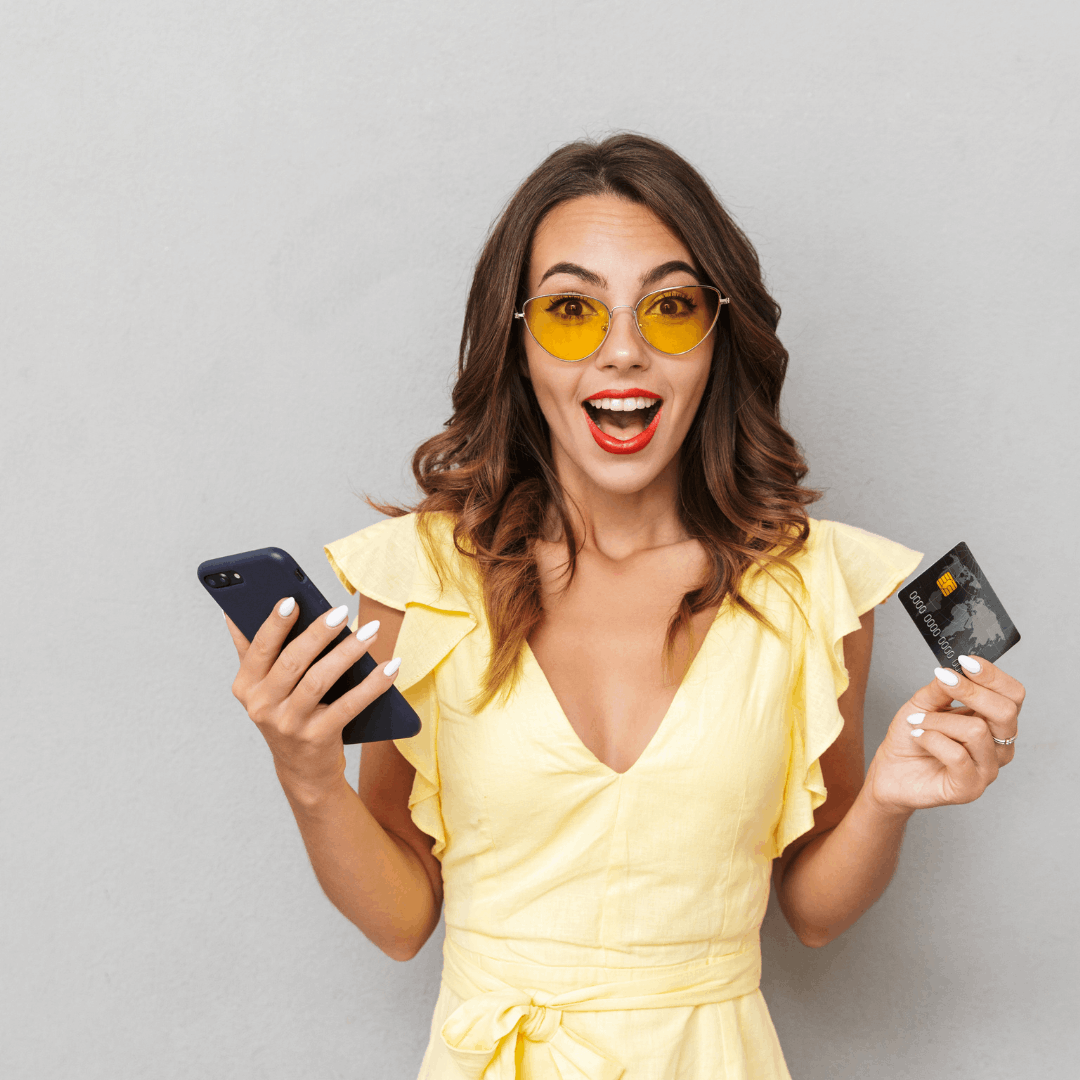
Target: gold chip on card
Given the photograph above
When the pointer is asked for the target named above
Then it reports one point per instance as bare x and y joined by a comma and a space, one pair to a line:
946, 583
957, 611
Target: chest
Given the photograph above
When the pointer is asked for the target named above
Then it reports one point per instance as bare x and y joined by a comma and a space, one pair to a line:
601, 644
579, 836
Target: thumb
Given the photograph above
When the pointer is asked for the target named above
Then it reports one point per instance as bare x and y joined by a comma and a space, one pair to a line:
935, 696
238, 639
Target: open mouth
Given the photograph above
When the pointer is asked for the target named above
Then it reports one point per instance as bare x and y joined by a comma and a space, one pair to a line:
623, 425
623, 418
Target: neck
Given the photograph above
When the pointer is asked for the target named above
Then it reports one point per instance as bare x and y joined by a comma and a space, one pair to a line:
619, 525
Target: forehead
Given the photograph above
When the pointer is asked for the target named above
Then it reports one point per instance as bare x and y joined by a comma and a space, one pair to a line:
604, 233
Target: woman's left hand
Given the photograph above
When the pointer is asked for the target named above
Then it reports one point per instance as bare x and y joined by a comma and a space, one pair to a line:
954, 758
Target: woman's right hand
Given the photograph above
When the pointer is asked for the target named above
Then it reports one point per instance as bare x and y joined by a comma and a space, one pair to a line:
282, 695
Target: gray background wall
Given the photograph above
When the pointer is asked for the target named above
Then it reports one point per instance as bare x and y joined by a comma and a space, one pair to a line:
207, 212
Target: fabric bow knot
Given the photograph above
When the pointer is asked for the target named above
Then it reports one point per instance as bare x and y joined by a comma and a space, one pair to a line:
502, 1031
482, 1037
540, 1022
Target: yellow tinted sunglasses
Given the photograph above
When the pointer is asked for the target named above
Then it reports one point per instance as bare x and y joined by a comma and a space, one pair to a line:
572, 326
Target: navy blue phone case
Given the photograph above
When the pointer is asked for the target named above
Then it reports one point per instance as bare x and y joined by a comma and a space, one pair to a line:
248, 585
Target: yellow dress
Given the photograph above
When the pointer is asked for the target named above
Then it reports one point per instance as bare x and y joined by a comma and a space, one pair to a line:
603, 925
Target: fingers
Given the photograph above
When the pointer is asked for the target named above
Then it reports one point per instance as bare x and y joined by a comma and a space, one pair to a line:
937, 695
999, 711
360, 697
963, 745
289, 667
326, 671
238, 639
977, 692
987, 675
257, 659
266, 645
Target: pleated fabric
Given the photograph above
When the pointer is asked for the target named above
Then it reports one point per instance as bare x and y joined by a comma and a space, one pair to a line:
604, 925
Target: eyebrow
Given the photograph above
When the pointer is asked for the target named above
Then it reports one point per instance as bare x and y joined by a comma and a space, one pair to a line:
590, 277
660, 272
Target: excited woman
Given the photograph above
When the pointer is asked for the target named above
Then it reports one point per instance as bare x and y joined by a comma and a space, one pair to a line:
639, 664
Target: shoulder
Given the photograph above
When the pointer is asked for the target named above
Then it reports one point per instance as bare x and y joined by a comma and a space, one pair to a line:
838, 558
400, 560
382, 560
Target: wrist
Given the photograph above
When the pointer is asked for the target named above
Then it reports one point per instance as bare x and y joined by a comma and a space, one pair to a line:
881, 808
312, 792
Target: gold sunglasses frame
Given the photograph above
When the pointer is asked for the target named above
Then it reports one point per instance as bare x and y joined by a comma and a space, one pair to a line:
721, 300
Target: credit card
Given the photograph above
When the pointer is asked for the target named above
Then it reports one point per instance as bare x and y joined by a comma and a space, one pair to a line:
957, 612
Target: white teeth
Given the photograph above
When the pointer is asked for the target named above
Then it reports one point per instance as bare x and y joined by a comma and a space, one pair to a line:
623, 404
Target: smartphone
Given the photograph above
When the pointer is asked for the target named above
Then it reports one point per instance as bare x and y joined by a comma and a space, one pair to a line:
247, 586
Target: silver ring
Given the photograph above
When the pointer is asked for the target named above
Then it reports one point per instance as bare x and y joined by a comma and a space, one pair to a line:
1004, 742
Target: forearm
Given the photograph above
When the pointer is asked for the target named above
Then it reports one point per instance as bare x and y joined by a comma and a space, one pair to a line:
837, 876
374, 879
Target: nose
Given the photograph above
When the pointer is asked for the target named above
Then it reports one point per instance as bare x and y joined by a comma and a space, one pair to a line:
623, 348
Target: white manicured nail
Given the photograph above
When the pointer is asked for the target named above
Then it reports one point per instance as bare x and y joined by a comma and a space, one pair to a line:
392, 666
286, 608
949, 678
917, 731
969, 663
337, 616
367, 631
916, 718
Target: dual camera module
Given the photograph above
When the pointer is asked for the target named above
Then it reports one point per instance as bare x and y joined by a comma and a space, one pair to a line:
223, 579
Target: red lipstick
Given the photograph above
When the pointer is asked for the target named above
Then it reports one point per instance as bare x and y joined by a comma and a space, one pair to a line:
623, 446
632, 392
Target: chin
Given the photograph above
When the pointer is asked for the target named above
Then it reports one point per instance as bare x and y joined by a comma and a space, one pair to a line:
616, 474
624, 479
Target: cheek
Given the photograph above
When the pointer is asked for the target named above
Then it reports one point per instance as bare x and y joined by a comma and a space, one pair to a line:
699, 392
702, 373
535, 368
554, 388
691, 384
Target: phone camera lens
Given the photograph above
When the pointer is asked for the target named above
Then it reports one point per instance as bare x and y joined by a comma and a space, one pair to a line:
212, 581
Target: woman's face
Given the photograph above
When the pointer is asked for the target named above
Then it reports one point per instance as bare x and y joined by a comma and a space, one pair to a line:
616, 251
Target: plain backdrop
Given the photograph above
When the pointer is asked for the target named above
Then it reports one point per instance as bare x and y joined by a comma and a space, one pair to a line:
235, 243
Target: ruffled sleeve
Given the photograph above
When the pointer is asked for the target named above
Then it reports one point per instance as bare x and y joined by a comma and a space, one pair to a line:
387, 562
847, 571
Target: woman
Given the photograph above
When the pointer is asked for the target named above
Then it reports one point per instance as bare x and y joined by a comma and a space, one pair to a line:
638, 663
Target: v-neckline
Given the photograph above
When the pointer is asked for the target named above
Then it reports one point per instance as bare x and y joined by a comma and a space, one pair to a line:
679, 692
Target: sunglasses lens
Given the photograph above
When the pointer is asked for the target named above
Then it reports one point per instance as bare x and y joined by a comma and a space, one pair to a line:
569, 326
677, 320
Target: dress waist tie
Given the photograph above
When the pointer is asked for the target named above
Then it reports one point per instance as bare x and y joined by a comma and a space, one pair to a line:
482, 1034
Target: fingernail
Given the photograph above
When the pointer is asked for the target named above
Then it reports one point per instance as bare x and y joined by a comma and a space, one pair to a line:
337, 616
916, 718
392, 666
916, 732
969, 663
367, 630
286, 608
949, 678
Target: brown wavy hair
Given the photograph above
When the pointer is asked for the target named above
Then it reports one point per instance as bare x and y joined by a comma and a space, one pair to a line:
491, 469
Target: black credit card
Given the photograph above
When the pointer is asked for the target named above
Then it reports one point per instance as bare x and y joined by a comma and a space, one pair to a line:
957, 612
